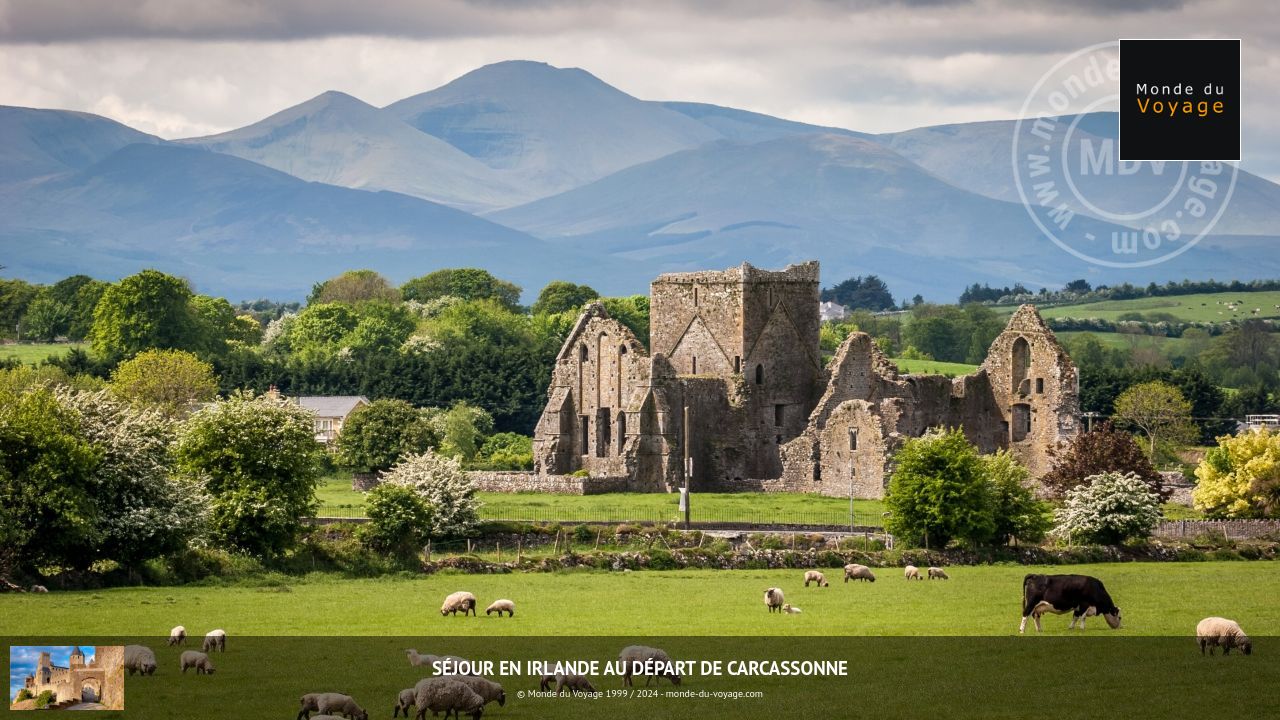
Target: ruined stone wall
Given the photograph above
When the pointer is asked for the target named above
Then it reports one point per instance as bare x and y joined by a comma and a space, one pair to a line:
1035, 388
697, 314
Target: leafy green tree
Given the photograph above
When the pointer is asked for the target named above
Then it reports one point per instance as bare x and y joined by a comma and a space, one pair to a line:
23, 694
506, 451
46, 317
462, 430
353, 287
144, 311
377, 435
381, 328
1109, 510
1102, 450
867, 293
1240, 478
445, 489
15, 296
560, 296
171, 381
48, 510
632, 311
400, 520
1159, 412
464, 283
1016, 511
320, 328
939, 492
258, 460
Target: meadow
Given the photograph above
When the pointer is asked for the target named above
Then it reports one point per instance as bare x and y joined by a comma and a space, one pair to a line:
963, 659
1202, 307
33, 353
934, 367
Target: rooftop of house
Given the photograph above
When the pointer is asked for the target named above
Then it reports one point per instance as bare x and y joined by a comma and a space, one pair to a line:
332, 406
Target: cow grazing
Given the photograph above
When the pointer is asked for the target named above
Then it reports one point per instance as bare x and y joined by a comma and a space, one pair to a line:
1080, 595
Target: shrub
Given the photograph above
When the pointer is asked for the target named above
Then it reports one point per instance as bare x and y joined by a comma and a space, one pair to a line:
1105, 449
1016, 511
23, 694
258, 460
939, 492
169, 380
446, 491
399, 520
44, 699
377, 435
1241, 477
1112, 508
506, 451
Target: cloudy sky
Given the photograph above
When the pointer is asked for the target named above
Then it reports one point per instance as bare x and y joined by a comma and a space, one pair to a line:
188, 67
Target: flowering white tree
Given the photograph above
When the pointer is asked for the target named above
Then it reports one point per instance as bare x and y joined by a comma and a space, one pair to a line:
447, 491
1109, 509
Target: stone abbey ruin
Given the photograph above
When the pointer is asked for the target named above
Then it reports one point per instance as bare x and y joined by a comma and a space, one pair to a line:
736, 352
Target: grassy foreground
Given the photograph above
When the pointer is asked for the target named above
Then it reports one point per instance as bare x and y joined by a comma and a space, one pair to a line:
1158, 599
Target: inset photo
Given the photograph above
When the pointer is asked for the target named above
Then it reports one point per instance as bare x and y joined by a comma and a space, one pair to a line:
66, 677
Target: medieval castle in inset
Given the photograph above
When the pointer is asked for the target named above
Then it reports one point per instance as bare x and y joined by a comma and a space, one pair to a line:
100, 680
736, 352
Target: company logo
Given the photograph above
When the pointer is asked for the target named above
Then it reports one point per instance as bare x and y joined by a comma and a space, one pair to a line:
1082, 196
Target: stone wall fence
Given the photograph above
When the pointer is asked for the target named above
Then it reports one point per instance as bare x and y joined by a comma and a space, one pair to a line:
510, 481
1230, 529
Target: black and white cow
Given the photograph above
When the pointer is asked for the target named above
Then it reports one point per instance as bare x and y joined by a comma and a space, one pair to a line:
1080, 595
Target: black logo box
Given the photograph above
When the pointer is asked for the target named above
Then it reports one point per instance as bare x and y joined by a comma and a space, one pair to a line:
1186, 68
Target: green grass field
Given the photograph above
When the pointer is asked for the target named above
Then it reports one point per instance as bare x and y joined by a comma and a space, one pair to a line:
1157, 599
933, 367
32, 353
1204, 307
335, 493
913, 649
1167, 346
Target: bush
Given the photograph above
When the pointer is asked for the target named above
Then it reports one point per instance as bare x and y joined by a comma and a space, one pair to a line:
258, 460
1241, 477
1111, 509
505, 451
23, 694
1017, 512
939, 492
377, 435
1103, 450
399, 520
446, 491
44, 699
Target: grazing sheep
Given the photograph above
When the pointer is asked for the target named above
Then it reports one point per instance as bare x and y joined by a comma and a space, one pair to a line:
177, 636
937, 573
791, 609
815, 576
197, 660
418, 659
404, 701
858, 572
139, 659
656, 658
501, 606
449, 695
488, 689
1213, 632
574, 683
215, 640
773, 599
911, 572
331, 703
460, 601
39, 589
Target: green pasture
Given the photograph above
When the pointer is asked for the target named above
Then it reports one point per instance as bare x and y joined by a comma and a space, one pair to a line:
1203, 307
933, 367
32, 353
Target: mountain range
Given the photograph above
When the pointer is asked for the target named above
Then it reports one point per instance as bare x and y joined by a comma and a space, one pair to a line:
540, 173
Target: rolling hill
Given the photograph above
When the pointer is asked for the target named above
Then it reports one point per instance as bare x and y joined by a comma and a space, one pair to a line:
39, 143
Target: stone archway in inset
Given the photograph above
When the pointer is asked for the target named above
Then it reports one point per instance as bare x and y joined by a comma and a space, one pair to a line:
90, 690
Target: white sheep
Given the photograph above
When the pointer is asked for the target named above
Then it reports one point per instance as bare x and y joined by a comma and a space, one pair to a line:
1213, 632
451, 696
331, 703
427, 660
937, 573
488, 689
636, 659
773, 599
177, 636
139, 659
791, 609
501, 606
911, 572
574, 683
815, 576
197, 660
854, 571
404, 701
39, 589
460, 601
215, 640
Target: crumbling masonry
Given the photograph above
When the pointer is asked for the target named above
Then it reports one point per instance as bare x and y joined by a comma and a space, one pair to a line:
737, 353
